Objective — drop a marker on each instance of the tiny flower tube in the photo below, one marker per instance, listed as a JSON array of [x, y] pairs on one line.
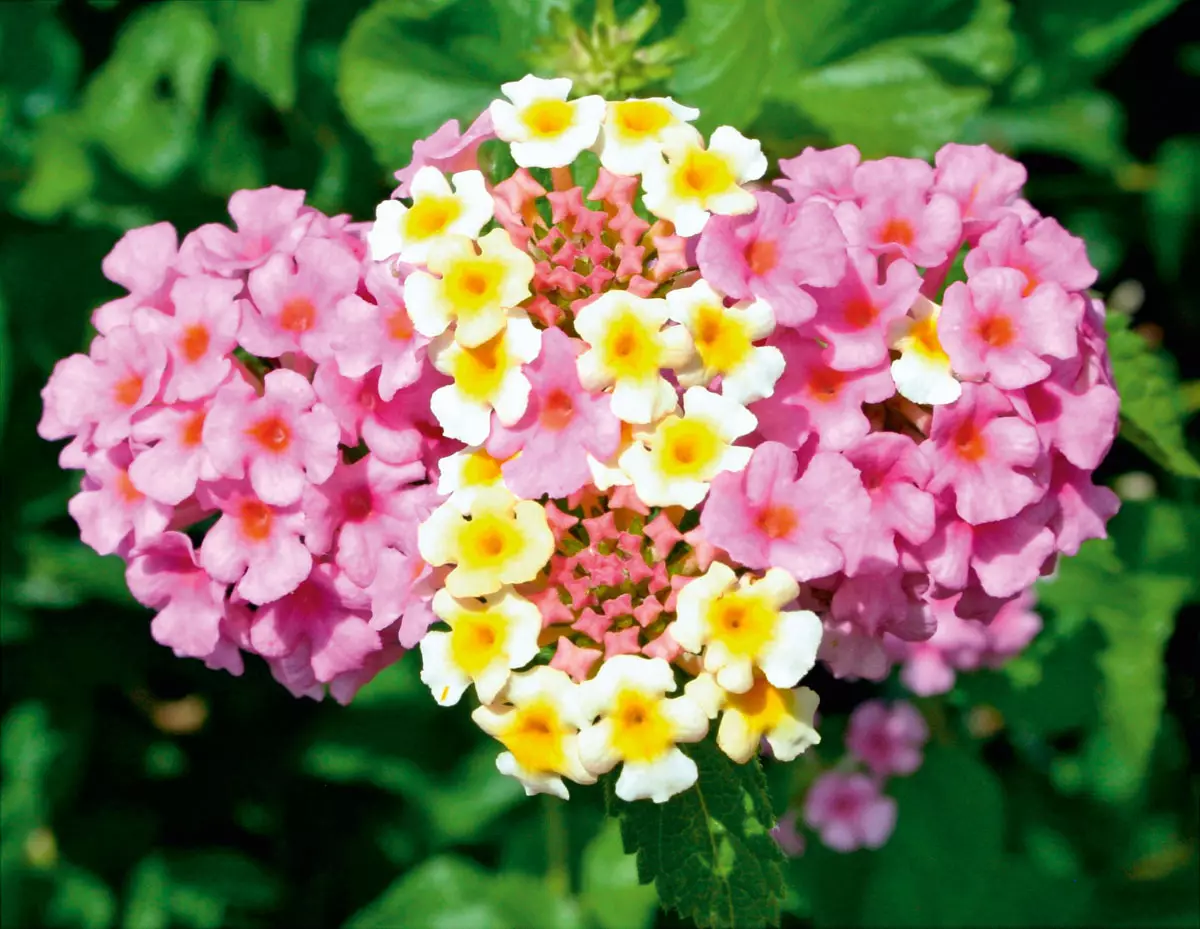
[[544, 128], [473, 288], [634, 131], [486, 377], [504, 541], [628, 347], [538, 722], [639, 728], [410, 232], [784, 717], [672, 464], [695, 182], [922, 372], [724, 338], [740, 624], [487, 639]]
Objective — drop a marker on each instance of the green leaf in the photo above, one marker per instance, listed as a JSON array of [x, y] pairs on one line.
[[145, 103], [394, 90], [259, 39], [80, 900], [61, 573], [147, 904], [985, 46], [231, 156], [709, 850], [1174, 202], [611, 894], [886, 101], [448, 892], [61, 173], [6, 360], [1087, 126], [1152, 409]]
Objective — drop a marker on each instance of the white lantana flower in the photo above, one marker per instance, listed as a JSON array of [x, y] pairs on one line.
[[673, 464], [487, 377], [544, 128], [538, 723], [436, 212], [464, 474], [741, 624], [782, 716], [724, 337], [634, 131], [501, 541], [487, 639], [696, 181], [628, 347], [474, 289], [922, 372], [640, 727]]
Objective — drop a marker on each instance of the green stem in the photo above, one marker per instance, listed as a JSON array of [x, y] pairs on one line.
[[557, 873]]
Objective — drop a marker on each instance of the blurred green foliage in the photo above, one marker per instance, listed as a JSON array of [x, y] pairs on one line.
[[143, 791]]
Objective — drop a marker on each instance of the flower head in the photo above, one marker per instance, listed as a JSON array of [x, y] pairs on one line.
[[546, 130]]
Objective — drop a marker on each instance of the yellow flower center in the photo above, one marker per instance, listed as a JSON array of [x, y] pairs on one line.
[[742, 622], [722, 341], [548, 118], [640, 731], [488, 541], [480, 469], [640, 118], [763, 706], [479, 371], [430, 216], [473, 284], [688, 448], [924, 339], [630, 348], [535, 737], [477, 640], [702, 174]]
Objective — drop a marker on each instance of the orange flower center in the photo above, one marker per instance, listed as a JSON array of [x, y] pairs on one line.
[[298, 315], [997, 331], [776, 521], [969, 442], [557, 410], [399, 326], [193, 344], [860, 312], [193, 429], [897, 231], [272, 433], [128, 391], [255, 518], [762, 256]]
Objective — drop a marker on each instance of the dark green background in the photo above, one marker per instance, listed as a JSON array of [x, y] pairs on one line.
[[143, 791]]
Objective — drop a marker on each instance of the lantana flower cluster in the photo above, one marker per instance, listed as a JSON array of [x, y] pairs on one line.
[[623, 438]]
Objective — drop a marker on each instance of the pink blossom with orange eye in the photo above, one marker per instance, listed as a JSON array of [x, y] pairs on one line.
[[282, 440], [113, 515]]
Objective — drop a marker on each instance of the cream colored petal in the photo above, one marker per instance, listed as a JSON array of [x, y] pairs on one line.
[[658, 780]]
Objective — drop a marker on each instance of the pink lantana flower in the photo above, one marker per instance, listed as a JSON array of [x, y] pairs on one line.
[[378, 333], [143, 262], [1002, 557], [894, 473], [359, 512], [766, 517], [109, 387], [812, 396], [1044, 252], [285, 438], [982, 182], [269, 221], [165, 576], [990, 331], [849, 812], [448, 150], [853, 317], [1084, 508], [315, 633], [888, 738], [769, 253], [109, 508], [390, 428], [199, 336], [897, 214], [562, 424], [873, 604], [824, 173], [176, 458], [984, 455], [1075, 410], [253, 544], [295, 300]]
